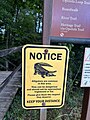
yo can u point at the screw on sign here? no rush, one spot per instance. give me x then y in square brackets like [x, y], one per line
[46, 51]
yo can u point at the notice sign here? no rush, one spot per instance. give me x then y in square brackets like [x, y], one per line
[44, 70]
[85, 81]
[71, 18]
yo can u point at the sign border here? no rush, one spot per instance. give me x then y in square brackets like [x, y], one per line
[23, 78]
[83, 68]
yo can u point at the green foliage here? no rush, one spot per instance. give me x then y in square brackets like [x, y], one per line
[16, 111]
[70, 111]
[75, 66]
[19, 20]
[18, 25]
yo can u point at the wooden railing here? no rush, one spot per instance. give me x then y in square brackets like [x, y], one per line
[12, 81]
[4, 53]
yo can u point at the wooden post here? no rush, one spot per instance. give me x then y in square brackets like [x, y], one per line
[43, 114]
[46, 33]
[85, 115]
[47, 20]
[88, 109]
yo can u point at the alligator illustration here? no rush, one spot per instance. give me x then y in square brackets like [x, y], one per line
[42, 71]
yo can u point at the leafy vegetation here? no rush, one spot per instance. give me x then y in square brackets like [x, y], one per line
[20, 24]
[70, 111]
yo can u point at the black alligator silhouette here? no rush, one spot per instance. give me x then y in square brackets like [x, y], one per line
[42, 71]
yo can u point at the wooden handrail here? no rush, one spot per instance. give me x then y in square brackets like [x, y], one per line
[5, 82]
[6, 52]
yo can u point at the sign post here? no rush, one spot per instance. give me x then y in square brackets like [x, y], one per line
[46, 32]
[85, 115]
[43, 114]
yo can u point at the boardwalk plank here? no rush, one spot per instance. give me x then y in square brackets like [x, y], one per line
[8, 92]
[1, 115]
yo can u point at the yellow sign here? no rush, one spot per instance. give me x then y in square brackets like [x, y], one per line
[44, 72]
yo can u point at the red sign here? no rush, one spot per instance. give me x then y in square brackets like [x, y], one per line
[71, 18]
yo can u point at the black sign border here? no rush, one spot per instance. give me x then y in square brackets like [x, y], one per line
[63, 94]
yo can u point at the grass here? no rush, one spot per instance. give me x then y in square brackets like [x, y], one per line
[70, 111]
[16, 112]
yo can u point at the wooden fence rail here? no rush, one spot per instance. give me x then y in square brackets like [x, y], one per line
[10, 81]
[6, 52]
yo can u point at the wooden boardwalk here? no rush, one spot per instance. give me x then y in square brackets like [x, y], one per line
[8, 92]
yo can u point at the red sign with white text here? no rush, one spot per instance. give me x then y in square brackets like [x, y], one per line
[71, 18]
